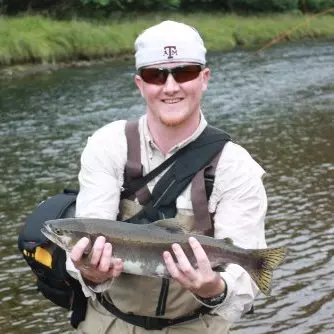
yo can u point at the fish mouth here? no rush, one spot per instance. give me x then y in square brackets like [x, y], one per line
[51, 235]
[47, 231]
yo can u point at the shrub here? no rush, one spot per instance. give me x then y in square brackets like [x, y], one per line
[315, 5]
[263, 5]
[203, 5]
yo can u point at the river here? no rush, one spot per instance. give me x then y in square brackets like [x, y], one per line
[277, 104]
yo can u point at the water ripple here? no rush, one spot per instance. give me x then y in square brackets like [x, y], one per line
[278, 105]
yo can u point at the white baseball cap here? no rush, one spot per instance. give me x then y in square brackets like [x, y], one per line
[169, 41]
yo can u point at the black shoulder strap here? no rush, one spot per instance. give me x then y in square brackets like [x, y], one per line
[209, 136]
[199, 154]
[194, 158]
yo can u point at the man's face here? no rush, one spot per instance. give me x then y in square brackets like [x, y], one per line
[173, 103]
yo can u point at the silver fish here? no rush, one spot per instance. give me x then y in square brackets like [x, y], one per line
[141, 247]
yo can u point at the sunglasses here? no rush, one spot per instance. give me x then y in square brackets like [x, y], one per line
[181, 74]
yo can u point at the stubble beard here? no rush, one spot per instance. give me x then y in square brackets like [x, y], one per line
[179, 119]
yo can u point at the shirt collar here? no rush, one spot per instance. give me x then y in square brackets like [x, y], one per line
[149, 140]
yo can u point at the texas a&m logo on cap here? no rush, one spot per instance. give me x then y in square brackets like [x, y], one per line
[170, 51]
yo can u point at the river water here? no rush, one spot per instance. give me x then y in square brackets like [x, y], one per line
[278, 105]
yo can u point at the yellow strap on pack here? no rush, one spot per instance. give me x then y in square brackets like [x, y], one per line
[43, 256]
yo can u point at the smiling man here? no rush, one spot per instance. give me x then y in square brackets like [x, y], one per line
[171, 77]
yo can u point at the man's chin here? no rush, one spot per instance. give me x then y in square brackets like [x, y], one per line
[173, 121]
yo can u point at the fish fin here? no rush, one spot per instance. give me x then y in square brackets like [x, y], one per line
[219, 268]
[271, 257]
[227, 240]
[262, 279]
[170, 224]
[266, 261]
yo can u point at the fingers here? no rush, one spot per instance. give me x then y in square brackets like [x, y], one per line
[101, 264]
[170, 264]
[203, 262]
[99, 250]
[78, 250]
[181, 270]
[107, 263]
[116, 267]
[101, 258]
[183, 262]
[197, 278]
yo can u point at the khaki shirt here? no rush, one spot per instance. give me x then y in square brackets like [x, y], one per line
[238, 199]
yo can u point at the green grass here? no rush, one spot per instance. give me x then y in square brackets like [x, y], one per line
[37, 39]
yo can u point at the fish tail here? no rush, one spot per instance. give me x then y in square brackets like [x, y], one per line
[266, 261]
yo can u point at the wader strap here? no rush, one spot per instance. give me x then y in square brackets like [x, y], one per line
[133, 166]
[149, 323]
[200, 197]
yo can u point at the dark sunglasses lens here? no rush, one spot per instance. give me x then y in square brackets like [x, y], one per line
[154, 76]
[186, 73]
[158, 76]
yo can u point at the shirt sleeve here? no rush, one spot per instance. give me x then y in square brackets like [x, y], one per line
[239, 203]
[100, 179]
[101, 174]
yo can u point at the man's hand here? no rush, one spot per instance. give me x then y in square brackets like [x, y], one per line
[101, 266]
[202, 281]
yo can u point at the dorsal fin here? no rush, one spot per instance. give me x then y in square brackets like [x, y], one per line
[227, 241]
[219, 268]
[170, 224]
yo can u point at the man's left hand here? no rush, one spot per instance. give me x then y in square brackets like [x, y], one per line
[202, 281]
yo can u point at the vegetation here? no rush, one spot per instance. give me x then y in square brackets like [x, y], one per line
[107, 8]
[38, 39]
[65, 31]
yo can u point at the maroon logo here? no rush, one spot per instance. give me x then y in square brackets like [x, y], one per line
[170, 51]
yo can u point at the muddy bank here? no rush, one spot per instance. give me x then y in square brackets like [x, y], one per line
[30, 70]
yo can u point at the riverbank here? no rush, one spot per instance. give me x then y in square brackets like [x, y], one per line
[34, 44]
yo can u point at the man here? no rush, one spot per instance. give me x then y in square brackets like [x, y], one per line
[171, 77]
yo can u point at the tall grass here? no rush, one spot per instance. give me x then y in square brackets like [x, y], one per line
[37, 39]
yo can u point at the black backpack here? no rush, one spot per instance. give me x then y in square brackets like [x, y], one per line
[47, 260]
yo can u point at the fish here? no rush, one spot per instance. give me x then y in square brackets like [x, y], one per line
[141, 247]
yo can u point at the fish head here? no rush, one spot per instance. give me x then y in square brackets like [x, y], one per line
[62, 234]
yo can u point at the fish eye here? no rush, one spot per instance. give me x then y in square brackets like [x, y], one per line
[58, 231]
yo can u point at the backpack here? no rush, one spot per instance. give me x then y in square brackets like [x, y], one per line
[47, 260]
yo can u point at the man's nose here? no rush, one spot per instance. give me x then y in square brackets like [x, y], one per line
[171, 86]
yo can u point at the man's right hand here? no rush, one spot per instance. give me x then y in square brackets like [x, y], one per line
[101, 266]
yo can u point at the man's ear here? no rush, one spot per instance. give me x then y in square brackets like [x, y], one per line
[205, 78]
[139, 83]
